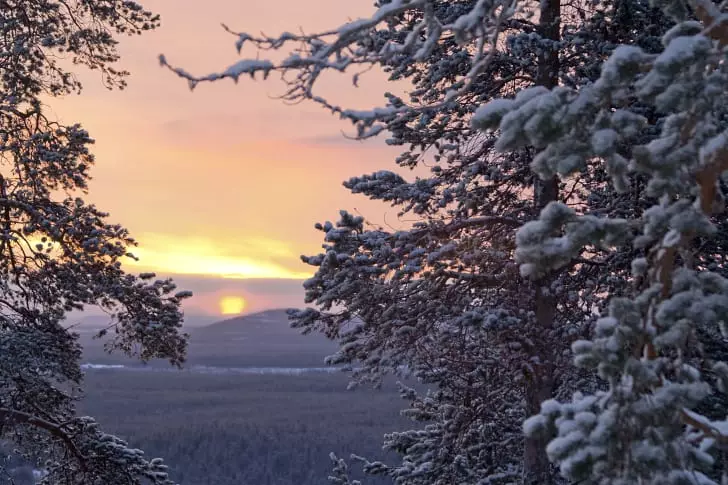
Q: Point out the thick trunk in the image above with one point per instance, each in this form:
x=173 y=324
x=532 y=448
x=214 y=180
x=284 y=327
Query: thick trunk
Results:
x=540 y=385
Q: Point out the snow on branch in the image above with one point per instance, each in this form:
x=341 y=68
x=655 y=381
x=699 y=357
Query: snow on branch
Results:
x=361 y=43
x=715 y=430
x=13 y=416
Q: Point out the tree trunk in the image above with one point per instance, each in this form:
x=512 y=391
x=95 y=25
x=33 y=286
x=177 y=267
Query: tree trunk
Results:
x=540 y=386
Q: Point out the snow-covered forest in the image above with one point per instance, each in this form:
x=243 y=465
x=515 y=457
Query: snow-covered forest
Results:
x=557 y=306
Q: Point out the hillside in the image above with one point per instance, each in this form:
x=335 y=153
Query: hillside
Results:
x=269 y=323
x=264 y=339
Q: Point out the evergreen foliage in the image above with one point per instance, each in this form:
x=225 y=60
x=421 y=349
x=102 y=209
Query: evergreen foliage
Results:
x=58 y=253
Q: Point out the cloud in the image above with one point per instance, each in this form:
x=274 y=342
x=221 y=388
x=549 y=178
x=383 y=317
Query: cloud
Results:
x=192 y=126
x=259 y=124
x=343 y=138
x=201 y=255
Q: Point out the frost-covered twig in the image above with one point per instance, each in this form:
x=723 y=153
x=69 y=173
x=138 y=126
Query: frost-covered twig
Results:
x=359 y=43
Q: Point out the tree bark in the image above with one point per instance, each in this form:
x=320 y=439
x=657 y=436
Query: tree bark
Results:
x=540 y=385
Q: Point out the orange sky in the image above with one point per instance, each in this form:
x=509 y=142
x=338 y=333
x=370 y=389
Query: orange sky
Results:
x=224 y=184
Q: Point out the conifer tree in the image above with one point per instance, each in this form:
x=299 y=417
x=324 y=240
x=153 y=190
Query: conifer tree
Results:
x=644 y=428
x=58 y=253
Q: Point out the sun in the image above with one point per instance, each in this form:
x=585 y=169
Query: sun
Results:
x=232 y=305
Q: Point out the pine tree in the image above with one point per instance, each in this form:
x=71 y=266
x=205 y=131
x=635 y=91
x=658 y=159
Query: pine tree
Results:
x=644 y=428
x=59 y=253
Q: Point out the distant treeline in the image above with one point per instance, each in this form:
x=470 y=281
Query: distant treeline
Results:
x=244 y=430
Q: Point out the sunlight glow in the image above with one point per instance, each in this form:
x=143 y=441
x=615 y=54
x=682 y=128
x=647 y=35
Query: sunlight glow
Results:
x=163 y=254
x=232 y=305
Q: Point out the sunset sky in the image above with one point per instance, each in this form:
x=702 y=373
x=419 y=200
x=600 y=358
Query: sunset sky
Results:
x=222 y=186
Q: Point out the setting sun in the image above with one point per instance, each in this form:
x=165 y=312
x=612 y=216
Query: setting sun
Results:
x=231 y=305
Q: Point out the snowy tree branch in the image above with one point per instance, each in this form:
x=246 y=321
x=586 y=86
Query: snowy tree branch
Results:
x=351 y=44
x=12 y=417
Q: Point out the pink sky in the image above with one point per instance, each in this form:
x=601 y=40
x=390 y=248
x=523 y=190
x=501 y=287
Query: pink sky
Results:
x=225 y=181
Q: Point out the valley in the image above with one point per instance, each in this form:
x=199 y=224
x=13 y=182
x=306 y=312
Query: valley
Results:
x=254 y=405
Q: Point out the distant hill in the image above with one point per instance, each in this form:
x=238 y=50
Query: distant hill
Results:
x=263 y=339
x=266 y=336
x=268 y=324
x=268 y=320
